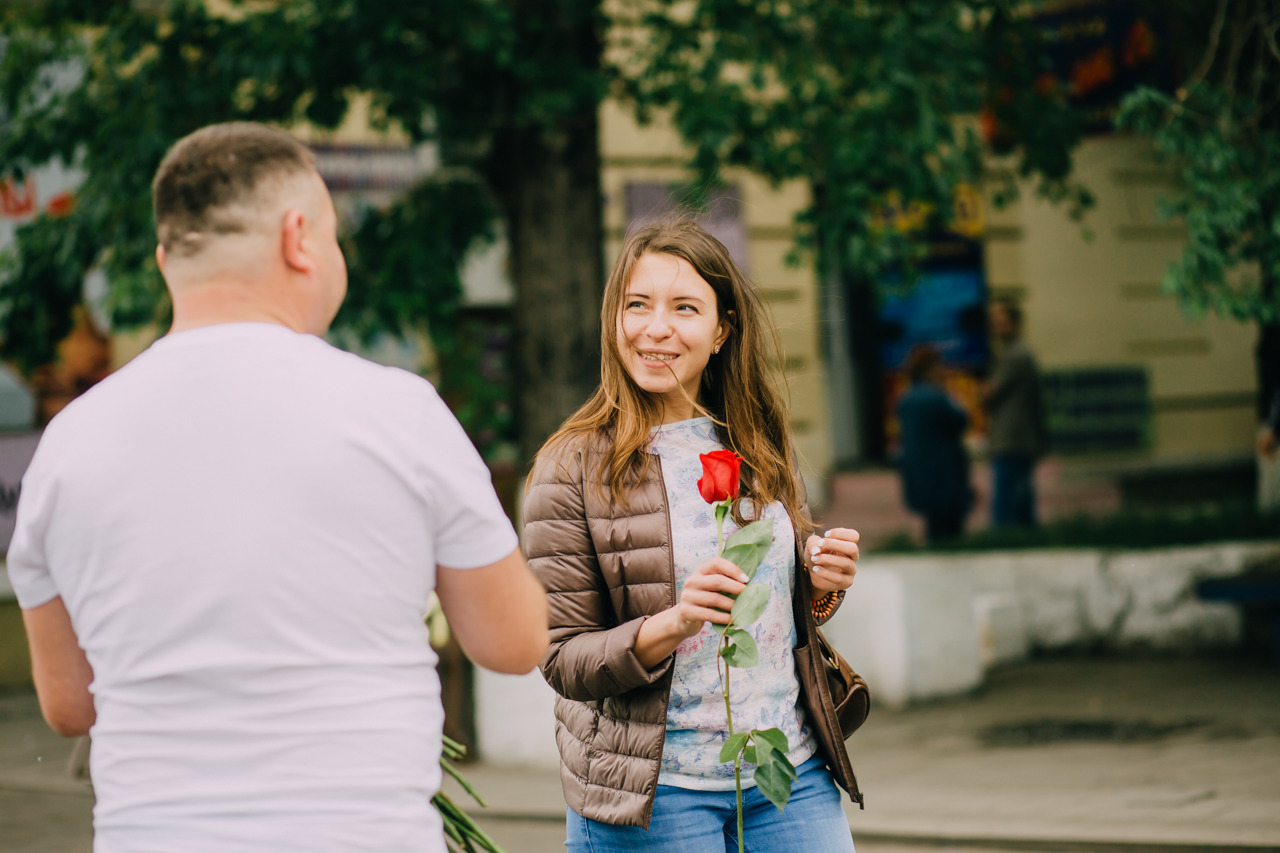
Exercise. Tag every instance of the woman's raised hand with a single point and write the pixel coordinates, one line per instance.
(705, 597)
(832, 559)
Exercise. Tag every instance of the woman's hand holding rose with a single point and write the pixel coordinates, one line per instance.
(705, 597)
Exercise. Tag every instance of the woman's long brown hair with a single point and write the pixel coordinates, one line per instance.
(739, 388)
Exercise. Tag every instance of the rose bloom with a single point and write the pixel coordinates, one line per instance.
(719, 475)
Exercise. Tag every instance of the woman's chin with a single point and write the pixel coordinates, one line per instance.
(658, 385)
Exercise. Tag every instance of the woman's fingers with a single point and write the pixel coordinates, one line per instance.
(840, 562)
(715, 584)
(831, 581)
(710, 600)
(694, 613)
(719, 567)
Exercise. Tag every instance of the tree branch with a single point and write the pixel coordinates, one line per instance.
(1211, 52)
(1269, 36)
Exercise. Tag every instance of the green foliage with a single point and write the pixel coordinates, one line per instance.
(739, 648)
(746, 548)
(750, 603)
(774, 772)
(757, 534)
(1227, 164)
(109, 87)
(862, 99)
(40, 294)
(1220, 134)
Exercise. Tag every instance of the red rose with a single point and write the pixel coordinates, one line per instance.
(719, 475)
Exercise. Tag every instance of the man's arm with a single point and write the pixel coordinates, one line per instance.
(497, 612)
(1002, 382)
(60, 669)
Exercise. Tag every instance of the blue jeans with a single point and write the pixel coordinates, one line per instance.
(687, 821)
(1014, 502)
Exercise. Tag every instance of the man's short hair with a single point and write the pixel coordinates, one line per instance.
(214, 169)
(1012, 310)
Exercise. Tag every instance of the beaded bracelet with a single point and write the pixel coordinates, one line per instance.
(825, 606)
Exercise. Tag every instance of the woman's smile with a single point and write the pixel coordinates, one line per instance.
(659, 359)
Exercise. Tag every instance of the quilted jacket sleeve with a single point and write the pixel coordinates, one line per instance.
(591, 656)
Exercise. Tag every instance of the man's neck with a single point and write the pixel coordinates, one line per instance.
(217, 302)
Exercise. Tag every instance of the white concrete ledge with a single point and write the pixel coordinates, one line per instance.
(919, 626)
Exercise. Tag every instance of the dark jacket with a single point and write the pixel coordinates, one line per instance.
(606, 569)
(932, 457)
(1014, 405)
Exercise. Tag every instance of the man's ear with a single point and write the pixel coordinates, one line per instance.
(160, 257)
(293, 237)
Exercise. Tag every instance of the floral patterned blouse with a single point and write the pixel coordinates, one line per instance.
(764, 696)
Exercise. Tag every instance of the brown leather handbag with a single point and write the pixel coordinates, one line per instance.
(836, 697)
(849, 691)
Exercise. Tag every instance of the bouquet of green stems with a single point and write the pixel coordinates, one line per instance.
(461, 832)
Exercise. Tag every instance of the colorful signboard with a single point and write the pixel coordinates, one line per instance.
(1101, 50)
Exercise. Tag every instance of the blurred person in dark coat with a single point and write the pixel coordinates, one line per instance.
(1268, 464)
(1267, 438)
(932, 458)
(1016, 438)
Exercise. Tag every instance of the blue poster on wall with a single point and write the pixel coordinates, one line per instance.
(946, 307)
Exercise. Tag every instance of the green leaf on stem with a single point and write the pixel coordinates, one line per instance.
(732, 746)
(750, 604)
(742, 651)
(747, 557)
(755, 533)
(773, 777)
(749, 754)
(774, 737)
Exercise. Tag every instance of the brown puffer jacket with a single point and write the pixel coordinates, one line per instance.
(606, 569)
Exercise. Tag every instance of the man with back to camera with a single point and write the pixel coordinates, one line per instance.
(1016, 433)
(224, 551)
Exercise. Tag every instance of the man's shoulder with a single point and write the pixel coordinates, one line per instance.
(362, 372)
(1021, 354)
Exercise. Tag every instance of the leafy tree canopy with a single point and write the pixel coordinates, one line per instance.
(870, 101)
(1221, 134)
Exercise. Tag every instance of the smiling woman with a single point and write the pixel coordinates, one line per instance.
(668, 331)
(619, 533)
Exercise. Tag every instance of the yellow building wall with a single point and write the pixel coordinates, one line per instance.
(1097, 302)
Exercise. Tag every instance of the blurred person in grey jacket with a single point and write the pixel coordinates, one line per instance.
(932, 459)
(1016, 438)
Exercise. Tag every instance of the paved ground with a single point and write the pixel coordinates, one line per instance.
(1093, 755)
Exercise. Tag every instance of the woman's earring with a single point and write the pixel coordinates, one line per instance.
(716, 351)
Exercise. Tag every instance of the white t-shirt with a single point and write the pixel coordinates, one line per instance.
(244, 524)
